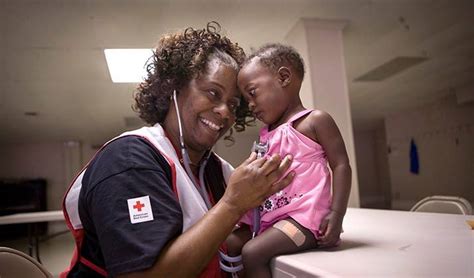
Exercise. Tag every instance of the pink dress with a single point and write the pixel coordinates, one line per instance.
(308, 198)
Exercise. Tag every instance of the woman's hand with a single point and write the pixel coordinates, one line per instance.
(331, 228)
(256, 179)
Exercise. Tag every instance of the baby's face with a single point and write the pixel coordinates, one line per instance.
(259, 86)
(250, 77)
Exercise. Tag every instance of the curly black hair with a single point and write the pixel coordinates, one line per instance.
(276, 55)
(179, 58)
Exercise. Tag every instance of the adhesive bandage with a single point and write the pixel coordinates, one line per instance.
(295, 234)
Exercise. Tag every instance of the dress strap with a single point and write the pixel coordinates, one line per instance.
(299, 115)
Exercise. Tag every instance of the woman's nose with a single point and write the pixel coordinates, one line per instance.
(224, 110)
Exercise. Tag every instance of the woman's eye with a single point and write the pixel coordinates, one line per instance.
(212, 93)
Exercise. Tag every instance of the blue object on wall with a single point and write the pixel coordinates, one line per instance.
(414, 162)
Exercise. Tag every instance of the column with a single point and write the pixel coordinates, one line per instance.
(320, 43)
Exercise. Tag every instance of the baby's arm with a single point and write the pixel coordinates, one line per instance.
(329, 137)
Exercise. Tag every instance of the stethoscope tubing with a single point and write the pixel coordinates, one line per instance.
(200, 185)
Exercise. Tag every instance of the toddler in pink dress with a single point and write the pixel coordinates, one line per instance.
(309, 212)
(308, 198)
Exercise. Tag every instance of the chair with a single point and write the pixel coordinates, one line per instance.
(14, 263)
(443, 204)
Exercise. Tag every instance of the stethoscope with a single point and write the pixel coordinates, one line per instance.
(201, 187)
(259, 148)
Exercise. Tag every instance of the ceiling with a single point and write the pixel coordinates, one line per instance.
(52, 62)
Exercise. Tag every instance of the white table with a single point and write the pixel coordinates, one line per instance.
(32, 219)
(384, 243)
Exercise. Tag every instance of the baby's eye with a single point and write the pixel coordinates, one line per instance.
(252, 92)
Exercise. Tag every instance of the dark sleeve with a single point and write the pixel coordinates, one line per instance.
(134, 170)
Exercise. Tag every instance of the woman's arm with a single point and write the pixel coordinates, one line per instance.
(249, 185)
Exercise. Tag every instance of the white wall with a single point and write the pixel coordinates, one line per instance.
(57, 162)
(31, 161)
(372, 168)
(367, 168)
(444, 136)
(383, 167)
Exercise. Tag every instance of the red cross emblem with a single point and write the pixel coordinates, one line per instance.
(138, 206)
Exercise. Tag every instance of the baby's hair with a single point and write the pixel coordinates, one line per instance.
(276, 55)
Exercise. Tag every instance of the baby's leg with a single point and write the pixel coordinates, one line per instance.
(235, 242)
(285, 237)
(237, 239)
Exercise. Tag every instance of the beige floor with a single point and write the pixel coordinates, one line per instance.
(55, 252)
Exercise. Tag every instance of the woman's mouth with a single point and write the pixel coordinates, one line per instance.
(211, 125)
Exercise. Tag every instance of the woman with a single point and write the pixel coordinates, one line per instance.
(156, 201)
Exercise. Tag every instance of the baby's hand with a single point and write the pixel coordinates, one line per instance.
(331, 228)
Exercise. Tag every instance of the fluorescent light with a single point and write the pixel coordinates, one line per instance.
(127, 65)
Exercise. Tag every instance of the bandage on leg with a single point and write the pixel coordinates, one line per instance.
(289, 229)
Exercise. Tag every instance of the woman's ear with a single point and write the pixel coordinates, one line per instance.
(284, 76)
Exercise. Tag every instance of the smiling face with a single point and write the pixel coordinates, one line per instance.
(207, 106)
(264, 92)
